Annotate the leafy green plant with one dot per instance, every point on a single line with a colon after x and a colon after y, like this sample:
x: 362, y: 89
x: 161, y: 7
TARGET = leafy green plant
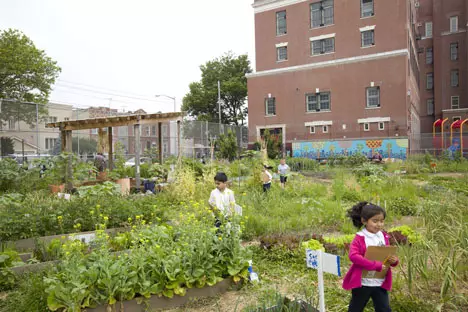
x: 8, y: 259
x: 227, y: 145
x: 312, y: 245
x: 413, y: 236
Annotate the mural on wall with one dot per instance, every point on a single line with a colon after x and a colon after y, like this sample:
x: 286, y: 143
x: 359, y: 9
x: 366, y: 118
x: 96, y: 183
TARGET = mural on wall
x: 388, y: 148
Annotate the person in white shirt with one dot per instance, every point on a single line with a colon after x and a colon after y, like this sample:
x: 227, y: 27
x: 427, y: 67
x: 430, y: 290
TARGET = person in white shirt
x: 283, y: 170
x: 222, y: 199
x: 266, y: 177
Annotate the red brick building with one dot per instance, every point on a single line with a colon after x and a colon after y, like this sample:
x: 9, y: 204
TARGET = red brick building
x: 338, y: 71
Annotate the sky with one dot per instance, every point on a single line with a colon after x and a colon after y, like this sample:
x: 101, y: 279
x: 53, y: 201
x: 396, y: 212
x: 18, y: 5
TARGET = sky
x: 135, y: 48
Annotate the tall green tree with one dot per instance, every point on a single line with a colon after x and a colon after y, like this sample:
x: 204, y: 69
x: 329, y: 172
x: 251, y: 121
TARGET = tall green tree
x: 6, y: 146
x: 26, y: 75
x: 201, y: 102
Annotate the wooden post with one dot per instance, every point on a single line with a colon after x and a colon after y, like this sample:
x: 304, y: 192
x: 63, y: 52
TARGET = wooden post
x: 136, y: 132
x: 63, y: 138
x: 160, y: 151
x: 179, y: 154
x: 69, y: 170
x: 111, y: 156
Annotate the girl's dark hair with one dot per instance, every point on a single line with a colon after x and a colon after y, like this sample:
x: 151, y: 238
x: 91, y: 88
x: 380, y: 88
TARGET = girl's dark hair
x: 364, y: 210
x: 221, y: 177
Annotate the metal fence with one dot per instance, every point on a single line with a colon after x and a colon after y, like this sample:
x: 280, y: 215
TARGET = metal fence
x: 24, y: 126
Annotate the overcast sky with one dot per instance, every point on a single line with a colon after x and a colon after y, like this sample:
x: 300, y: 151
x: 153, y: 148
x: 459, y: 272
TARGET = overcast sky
x: 133, y: 47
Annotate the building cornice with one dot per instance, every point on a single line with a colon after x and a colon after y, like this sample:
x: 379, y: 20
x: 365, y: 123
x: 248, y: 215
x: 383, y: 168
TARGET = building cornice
x: 336, y: 62
x: 267, y: 5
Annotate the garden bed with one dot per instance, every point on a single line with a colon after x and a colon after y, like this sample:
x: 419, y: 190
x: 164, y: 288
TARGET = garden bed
x: 156, y: 302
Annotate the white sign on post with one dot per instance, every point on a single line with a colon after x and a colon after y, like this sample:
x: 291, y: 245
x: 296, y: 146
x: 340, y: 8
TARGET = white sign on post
x: 322, y: 262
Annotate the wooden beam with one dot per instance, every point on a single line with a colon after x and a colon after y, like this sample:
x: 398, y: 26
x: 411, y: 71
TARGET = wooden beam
x: 63, y: 137
x: 111, y: 158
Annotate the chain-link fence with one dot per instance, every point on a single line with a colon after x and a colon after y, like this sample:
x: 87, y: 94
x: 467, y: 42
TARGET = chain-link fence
x: 23, y: 131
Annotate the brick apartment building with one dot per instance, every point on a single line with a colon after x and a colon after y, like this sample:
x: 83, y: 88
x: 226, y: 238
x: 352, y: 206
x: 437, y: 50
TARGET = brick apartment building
x: 337, y: 76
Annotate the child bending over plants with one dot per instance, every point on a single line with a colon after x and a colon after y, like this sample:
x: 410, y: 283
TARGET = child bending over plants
x: 222, y: 200
x: 371, y: 217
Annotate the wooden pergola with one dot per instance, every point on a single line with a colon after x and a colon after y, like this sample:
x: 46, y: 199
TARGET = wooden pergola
x: 67, y: 127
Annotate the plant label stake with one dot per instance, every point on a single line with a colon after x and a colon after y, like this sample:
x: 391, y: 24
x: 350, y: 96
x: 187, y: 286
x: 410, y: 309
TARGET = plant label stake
x: 322, y: 262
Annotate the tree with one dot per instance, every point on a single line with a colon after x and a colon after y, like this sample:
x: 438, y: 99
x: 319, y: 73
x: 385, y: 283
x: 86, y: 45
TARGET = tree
x: 227, y: 145
x: 86, y: 145
x: 6, y: 146
x: 201, y: 102
x: 26, y: 75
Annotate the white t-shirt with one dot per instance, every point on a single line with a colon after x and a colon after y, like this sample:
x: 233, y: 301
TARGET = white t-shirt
x: 269, y: 177
x: 223, y: 201
x: 372, y: 239
x: 283, y: 169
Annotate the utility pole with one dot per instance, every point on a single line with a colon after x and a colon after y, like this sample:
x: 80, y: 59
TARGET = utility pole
x: 37, y: 127
x: 219, y: 105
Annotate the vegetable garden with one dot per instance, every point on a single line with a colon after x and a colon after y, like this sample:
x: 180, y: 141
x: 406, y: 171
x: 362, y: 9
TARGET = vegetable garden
x: 102, y: 248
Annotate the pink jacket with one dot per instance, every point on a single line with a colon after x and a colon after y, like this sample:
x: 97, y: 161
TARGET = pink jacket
x: 357, y: 250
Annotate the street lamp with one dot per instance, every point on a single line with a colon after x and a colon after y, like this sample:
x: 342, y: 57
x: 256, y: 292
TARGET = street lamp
x: 169, y: 97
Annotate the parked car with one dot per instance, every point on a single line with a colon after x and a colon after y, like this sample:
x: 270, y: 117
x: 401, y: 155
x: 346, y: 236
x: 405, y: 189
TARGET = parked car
x: 143, y: 160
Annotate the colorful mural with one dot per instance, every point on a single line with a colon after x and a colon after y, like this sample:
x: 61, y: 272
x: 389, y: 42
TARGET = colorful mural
x: 388, y: 148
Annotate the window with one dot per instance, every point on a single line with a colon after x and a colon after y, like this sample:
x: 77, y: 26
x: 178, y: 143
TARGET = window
x: 373, y: 97
x: 428, y: 29
x: 321, y: 13
x: 429, y: 81
x: 153, y: 130
x: 318, y: 101
x: 148, y: 145
x: 280, y: 23
x: 52, y: 119
x: 282, y: 53
x: 165, y: 148
x: 66, y: 119
x: 454, y: 24
x: 456, y: 118
x: 12, y: 123
x: 367, y: 8
x: 322, y: 46
x: 454, y: 51
x: 94, y: 131
x: 325, y: 129
x: 381, y: 126
x: 50, y: 143
x: 366, y: 127
x: 148, y: 131
x: 164, y: 130
x: 429, y: 56
x: 367, y: 38
x: 454, y: 78
x: 455, y: 102
x: 430, y: 107
x: 270, y: 106
x: 312, y: 129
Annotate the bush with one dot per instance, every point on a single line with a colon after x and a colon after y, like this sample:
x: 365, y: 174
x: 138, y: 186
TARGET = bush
x: 403, y: 206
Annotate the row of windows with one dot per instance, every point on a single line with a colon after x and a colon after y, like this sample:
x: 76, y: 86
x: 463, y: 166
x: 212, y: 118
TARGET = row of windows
x: 453, y: 27
x: 327, y: 45
x: 321, y: 14
x: 325, y: 129
x: 453, y: 53
x: 454, y: 79
x: 454, y: 104
x: 321, y: 101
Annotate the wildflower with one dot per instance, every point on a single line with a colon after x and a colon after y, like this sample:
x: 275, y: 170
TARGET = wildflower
x: 98, y: 206
x: 106, y: 218
x: 129, y: 220
x: 91, y: 212
x: 220, y: 238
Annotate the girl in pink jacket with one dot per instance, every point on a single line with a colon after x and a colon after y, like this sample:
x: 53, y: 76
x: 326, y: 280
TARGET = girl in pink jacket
x: 372, y: 218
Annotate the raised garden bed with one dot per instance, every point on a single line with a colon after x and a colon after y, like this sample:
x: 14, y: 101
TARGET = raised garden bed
x: 156, y: 302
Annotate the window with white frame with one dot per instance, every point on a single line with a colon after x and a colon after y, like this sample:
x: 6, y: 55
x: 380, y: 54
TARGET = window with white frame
x: 454, y: 78
x: 322, y: 46
x: 153, y: 130
x: 455, y: 102
x: 454, y: 51
x: 280, y: 23
x: 373, y: 97
x: 381, y: 126
x: 164, y: 130
x: 325, y: 129
x: 318, y: 102
x: 94, y: 131
x: 430, y: 107
x: 312, y: 129
x: 366, y: 127
x: 429, y: 56
x: 454, y: 24
x: 367, y: 8
x: 428, y: 30
x: 321, y: 13
x: 367, y: 38
x: 270, y: 106
x: 50, y: 143
x: 429, y: 81
x: 52, y: 119
x: 11, y: 123
x: 282, y: 53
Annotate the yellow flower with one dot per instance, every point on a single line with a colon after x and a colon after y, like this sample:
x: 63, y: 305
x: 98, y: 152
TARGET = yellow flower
x: 106, y: 218
x: 98, y: 206
x: 129, y: 219
x: 220, y: 238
